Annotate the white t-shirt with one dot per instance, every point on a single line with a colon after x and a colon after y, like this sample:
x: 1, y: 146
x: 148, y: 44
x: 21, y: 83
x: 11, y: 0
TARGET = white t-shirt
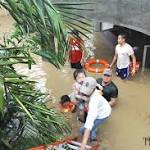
x: 124, y: 52
x: 99, y: 108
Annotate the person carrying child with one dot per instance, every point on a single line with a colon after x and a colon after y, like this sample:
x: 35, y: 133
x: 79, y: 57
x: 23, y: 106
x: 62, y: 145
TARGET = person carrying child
x: 79, y: 76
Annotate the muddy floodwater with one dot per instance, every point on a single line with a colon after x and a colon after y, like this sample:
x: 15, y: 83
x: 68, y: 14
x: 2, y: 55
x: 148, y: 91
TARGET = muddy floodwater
x: 129, y: 123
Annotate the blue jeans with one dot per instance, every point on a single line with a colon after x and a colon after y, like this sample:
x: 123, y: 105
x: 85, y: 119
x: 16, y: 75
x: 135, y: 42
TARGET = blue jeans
x: 97, y: 123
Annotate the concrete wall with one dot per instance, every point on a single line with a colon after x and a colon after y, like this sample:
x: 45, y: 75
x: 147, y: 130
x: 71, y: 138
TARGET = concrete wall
x: 134, y: 14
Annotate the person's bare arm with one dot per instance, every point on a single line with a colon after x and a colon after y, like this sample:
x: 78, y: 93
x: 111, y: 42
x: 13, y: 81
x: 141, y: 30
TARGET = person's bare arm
x: 85, y: 139
x: 114, y: 60
x: 113, y: 102
x: 134, y: 64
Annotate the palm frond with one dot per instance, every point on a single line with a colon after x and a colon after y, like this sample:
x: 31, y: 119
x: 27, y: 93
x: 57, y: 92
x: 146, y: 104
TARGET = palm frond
x: 2, y: 101
x: 41, y: 28
x: 23, y: 115
x: 45, y: 20
x: 38, y: 122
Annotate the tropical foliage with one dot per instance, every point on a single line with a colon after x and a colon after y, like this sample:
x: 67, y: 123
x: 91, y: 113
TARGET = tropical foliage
x: 41, y: 20
x: 23, y: 116
x: 25, y: 120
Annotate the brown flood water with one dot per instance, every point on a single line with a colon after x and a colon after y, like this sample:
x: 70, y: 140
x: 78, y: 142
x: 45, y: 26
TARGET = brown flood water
x: 130, y: 119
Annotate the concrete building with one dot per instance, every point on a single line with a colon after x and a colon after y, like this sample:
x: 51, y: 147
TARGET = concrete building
x: 132, y: 14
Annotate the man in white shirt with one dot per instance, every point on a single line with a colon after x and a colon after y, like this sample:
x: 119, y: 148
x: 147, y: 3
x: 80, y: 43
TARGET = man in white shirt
x: 123, y: 52
x: 99, y: 110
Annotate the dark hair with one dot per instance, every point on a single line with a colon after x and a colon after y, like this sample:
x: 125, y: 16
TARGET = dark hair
x: 64, y: 99
x: 122, y: 35
x: 77, y: 71
x: 75, y: 32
